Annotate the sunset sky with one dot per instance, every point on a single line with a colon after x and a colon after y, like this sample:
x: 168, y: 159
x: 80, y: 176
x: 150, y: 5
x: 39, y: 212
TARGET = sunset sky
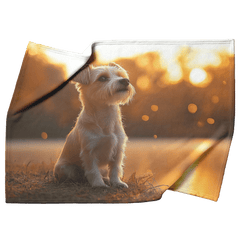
x: 199, y: 56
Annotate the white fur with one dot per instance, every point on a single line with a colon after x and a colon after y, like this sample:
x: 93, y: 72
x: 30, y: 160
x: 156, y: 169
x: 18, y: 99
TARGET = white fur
x: 97, y: 142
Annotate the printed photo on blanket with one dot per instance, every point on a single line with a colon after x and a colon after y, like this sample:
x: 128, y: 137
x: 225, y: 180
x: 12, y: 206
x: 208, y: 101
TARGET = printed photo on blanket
x: 135, y: 119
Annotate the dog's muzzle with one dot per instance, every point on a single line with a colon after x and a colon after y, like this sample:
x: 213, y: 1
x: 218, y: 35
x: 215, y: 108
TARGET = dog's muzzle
x: 125, y: 82
x: 123, y: 85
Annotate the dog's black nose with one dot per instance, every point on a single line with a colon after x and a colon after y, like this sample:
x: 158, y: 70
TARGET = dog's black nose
x: 124, y: 82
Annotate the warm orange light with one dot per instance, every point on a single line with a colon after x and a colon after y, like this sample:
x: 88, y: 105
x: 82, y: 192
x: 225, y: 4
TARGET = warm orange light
x: 143, y: 82
x: 44, y: 135
x: 192, y: 108
x: 154, y: 108
x: 34, y: 49
x: 145, y: 118
x: 200, y: 124
x: 174, y: 73
x: 198, y: 77
x: 156, y: 64
x: 215, y: 99
x: 202, y: 58
x: 210, y: 121
x: 203, y: 146
x: 155, y: 136
x: 142, y: 61
x: 162, y: 83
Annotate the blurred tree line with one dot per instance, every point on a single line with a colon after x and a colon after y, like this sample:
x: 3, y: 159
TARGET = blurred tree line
x: 171, y: 118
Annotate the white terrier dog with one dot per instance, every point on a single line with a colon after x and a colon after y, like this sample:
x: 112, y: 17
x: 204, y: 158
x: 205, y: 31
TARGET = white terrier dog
x: 96, y: 144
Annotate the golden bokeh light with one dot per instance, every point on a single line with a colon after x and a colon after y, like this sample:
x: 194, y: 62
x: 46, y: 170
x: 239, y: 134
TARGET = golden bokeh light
x: 143, y: 82
x: 200, y: 124
x: 224, y: 60
x: 210, y: 121
x: 145, y: 118
x: 154, y: 108
x: 198, y: 77
x: 155, y: 136
x: 44, y: 135
x: 215, y: 99
x: 156, y: 64
x: 203, y: 58
x: 192, y: 108
x: 174, y: 73
x: 142, y: 61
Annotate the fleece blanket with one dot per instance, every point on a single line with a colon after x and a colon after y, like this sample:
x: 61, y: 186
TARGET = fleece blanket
x: 179, y: 123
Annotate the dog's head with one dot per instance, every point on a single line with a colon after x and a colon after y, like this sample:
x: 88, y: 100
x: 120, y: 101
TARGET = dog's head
x: 104, y: 85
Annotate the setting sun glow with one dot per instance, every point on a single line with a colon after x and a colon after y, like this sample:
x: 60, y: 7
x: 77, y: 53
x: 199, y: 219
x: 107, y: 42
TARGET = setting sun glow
x: 198, y: 77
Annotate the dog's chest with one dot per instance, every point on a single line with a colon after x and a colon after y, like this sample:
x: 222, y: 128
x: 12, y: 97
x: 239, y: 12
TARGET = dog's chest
x: 108, y: 120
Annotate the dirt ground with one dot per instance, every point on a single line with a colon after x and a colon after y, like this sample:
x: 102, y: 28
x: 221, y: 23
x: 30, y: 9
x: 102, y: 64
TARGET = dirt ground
x: 35, y: 183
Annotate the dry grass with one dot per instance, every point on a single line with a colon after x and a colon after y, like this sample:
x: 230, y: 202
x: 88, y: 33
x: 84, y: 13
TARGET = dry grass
x: 35, y: 183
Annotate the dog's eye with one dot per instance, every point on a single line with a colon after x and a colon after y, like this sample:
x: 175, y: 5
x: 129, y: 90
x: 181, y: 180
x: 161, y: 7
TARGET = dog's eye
x: 103, y: 79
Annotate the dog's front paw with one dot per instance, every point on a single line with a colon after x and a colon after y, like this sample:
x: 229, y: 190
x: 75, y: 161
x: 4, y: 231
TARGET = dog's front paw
x: 119, y: 184
x: 99, y: 184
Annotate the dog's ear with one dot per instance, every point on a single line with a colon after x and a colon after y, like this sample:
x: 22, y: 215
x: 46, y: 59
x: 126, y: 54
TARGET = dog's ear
x: 83, y: 77
x: 113, y: 64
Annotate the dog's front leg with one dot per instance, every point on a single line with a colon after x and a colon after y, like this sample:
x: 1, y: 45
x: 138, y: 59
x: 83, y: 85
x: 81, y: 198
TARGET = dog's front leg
x: 92, y: 172
x: 116, y: 169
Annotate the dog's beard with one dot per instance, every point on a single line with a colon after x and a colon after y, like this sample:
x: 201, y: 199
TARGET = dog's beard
x: 122, y: 89
x: 116, y: 97
x: 121, y: 95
